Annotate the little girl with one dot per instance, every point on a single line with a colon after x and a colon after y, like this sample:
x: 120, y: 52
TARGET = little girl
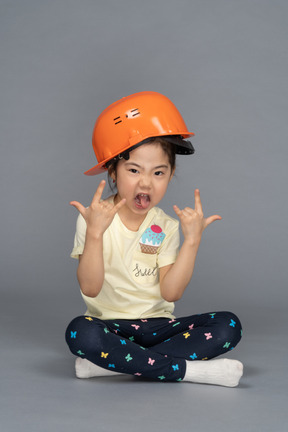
x: 131, y: 270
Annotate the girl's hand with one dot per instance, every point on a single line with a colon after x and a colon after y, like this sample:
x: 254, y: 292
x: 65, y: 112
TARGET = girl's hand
x: 192, y: 221
x: 99, y: 214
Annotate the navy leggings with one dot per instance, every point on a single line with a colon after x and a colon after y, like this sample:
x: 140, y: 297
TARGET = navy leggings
x: 154, y: 348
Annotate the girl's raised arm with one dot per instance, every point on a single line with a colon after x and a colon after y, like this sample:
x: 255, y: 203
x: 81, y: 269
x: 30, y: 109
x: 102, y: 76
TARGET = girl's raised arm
x: 98, y: 217
x: 175, y: 278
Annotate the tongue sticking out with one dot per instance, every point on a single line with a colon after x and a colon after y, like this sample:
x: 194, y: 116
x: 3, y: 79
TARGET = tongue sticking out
x: 142, y: 200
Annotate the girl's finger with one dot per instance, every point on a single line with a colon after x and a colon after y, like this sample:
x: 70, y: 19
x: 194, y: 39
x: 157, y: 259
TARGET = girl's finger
x: 211, y: 219
x: 118, y: 206
x: 98, y: 193
x: 198, y: 205
x: 79, y: 207
x: 177, y: 210
x: 186, y: 212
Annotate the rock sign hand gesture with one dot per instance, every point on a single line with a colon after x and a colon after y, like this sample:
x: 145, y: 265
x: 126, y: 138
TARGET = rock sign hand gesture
x: 192, y: 221
x: 99, y: 214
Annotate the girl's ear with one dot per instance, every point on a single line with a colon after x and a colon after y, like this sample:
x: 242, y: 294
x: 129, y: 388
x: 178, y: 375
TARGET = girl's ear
x: 112, y: 173
x: 113, y: 176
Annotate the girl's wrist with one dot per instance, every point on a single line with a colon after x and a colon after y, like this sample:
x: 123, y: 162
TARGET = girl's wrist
x: 93, y: 234
x: 192, y: 241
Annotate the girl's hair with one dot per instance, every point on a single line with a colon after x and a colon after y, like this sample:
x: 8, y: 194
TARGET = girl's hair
x: 166, y: 146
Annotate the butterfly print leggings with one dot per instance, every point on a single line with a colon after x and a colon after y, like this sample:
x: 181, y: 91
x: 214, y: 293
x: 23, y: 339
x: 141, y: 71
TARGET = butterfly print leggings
x: 154, y: 348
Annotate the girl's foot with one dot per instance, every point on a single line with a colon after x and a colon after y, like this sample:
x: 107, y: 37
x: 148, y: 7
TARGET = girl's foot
x: 222, y: 372
x: 86, y: 369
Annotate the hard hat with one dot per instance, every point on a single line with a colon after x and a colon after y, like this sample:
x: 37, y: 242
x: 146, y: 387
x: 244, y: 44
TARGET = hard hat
x: 133, y: 119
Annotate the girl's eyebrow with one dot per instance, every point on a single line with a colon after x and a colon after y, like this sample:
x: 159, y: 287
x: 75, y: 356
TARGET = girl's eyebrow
x: 139, y: 166
x: 161, y: 166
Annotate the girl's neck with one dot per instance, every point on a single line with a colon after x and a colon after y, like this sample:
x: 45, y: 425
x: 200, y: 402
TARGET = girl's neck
x: 130, y: 220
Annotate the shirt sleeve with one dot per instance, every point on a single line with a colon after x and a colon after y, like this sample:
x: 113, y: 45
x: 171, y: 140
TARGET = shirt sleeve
x: 79, y: 238
x: 170, y: 247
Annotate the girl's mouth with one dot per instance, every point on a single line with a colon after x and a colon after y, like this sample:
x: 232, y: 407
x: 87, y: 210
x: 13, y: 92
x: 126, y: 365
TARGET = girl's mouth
x: 142, y: 201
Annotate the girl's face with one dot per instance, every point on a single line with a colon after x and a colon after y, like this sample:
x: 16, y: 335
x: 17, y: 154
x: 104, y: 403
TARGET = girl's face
x: 142, y: 180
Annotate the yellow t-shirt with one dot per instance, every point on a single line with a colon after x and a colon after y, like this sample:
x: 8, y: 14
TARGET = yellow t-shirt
x: 131, y: 288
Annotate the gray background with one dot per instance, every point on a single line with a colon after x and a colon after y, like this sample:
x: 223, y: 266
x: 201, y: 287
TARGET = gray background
x: 224, y: 64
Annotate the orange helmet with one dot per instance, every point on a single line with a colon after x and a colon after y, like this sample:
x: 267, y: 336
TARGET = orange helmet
x: 131, y: 120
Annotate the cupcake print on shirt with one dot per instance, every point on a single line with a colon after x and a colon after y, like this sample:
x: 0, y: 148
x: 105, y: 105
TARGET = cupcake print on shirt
x: 151, y: 239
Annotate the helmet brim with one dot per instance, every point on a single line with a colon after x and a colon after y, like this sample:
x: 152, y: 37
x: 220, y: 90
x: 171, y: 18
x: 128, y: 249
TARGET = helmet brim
x: 181, y: 147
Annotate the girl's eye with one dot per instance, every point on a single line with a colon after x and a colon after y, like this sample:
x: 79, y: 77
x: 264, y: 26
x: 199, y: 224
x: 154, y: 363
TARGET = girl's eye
x: 159, y: 173
x: 133, y: 170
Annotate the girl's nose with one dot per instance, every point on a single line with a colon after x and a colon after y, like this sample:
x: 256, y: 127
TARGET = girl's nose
x: 145, y: 181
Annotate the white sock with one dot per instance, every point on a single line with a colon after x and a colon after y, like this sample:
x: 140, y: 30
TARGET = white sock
x: 222, y: 372
x: 86, y: 369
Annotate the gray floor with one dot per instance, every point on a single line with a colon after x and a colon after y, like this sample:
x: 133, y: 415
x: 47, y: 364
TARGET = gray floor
x: 39, y: 390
